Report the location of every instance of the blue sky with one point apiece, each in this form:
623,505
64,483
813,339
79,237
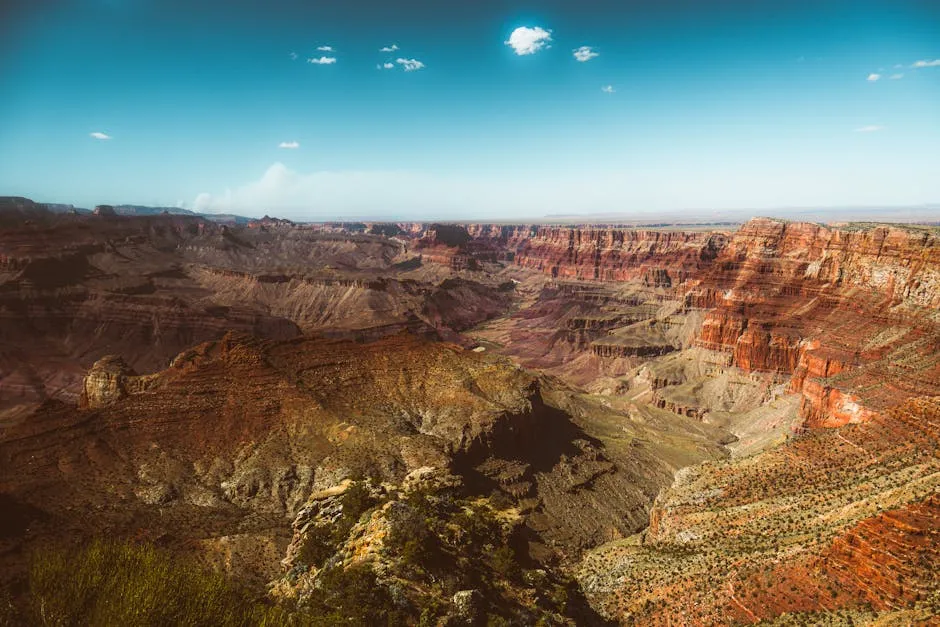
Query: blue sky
711,106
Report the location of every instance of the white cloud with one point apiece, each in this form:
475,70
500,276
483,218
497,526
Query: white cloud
293,56
410,64
608,89
322,61
203,202
385,66
325,48
874,77
293,144
895,77
585,53
926,63
871,128
525,40
391,48
99,135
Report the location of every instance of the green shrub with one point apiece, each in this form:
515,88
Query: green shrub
412,538
317,547
356,500
353,596
505,562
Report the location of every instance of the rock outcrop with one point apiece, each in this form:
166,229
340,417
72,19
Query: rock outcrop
106,382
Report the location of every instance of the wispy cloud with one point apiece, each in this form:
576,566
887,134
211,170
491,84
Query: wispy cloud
322,61
608,89
293,56
289,145
895,77
525,40
99,135
385,66
926,63
585,53
871,128
874,77
410,65
391,48
325,48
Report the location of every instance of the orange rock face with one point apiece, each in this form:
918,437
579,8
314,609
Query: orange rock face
837,309
618,254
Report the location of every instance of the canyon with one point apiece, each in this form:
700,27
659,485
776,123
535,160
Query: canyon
673,425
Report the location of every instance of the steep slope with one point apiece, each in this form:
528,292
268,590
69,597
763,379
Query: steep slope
840,518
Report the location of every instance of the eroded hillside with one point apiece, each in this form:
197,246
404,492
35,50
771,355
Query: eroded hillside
689,427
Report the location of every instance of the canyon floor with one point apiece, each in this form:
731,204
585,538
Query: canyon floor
445,424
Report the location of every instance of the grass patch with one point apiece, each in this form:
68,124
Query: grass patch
114,583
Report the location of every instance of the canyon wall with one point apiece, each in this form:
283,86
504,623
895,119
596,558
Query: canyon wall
838,308
618,254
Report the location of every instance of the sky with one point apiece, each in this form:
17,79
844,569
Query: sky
346,109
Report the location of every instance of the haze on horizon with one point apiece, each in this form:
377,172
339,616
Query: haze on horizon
490,110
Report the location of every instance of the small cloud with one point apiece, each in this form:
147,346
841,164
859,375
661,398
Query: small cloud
871,128
525,40
391,48
873,77
898,66
800,59
325,48
585,53
895,77
293,56
410,64
203,202
289,145
608,89
385,66
99,135
926,63
322,61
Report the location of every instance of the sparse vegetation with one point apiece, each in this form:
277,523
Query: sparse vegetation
112,583
116,583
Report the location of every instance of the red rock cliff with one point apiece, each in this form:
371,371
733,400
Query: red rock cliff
837,308
618,254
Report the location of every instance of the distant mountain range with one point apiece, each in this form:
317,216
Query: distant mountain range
20,203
